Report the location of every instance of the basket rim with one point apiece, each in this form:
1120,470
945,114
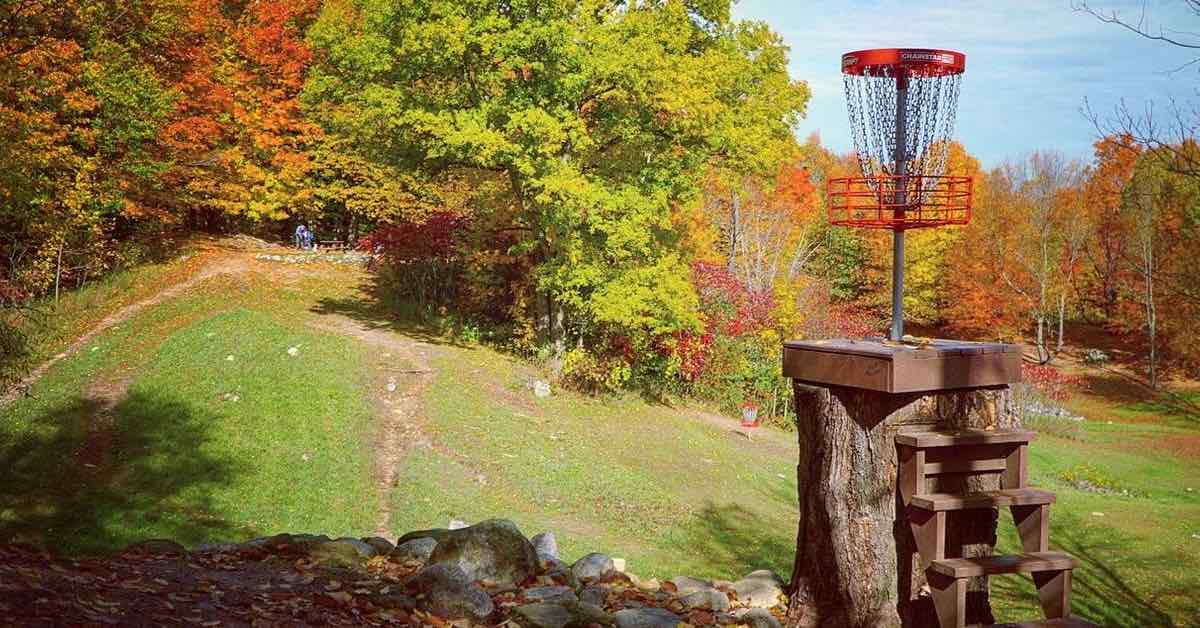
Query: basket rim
920,62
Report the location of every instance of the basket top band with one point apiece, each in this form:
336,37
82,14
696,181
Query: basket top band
920,62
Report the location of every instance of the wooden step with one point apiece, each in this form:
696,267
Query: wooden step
983,499
1003,563
941,438
1062,622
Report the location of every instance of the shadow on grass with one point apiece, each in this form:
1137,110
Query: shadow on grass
730,541
379,309
1101,590
1121,390
84,480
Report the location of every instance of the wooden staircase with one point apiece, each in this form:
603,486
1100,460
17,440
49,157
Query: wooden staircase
924,456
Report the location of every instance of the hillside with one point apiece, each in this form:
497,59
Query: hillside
258,396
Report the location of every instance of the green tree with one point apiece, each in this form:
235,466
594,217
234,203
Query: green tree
599,116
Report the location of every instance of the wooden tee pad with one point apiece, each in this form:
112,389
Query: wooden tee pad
876,364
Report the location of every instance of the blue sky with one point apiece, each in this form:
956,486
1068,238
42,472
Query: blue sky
1030,64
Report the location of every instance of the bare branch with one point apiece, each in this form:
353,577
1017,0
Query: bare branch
1139,27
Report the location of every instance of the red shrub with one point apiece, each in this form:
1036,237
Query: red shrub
729,308
1050,381
433,240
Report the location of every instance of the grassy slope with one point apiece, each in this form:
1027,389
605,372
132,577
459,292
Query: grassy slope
671,493
676,495
172,457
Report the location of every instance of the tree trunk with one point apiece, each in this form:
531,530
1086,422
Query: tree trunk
856,564
1152,323
1062,313
58,270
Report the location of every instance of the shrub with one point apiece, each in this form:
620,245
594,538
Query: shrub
1050,382
422,261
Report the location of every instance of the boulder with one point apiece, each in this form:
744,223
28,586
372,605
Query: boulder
758,618
545,545
341,553
594,595
417,549
759,589
492,550
365,549
542,615
594,565
436,534
446,590
551,594
383,547
564,615
705,599
646,618
685,584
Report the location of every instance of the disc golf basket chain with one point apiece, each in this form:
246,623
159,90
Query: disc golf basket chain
902,104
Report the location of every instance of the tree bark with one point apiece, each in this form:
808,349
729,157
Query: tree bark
856,564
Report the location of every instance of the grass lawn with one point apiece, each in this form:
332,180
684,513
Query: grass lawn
138,436
173,455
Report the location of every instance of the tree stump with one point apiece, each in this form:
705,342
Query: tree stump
856,563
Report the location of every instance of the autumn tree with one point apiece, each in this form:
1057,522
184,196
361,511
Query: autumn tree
1028,244
1111,171
598,117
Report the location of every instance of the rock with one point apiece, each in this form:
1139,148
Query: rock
341,553
158,547
594,565
382,546
760,589
436,534
650,585
545,545
758,618
417,549
594,595
705,599
542,615
541,388
561,572
685,584
450,593
619,564
493,550
646,618
365,549
554,593
456,524
563,615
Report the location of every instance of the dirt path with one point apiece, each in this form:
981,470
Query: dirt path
219,265
402,374
101,399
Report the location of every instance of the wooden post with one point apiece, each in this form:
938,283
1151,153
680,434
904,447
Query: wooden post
856,562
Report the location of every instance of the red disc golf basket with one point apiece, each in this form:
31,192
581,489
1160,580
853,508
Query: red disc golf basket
902,103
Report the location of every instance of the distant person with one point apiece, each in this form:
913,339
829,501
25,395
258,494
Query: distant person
301,234
309,239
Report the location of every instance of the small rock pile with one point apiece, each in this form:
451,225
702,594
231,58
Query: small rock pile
353,258
491,574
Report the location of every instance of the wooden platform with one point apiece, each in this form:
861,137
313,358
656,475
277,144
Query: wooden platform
878,364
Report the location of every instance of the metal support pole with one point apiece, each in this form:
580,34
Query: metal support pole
901,159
